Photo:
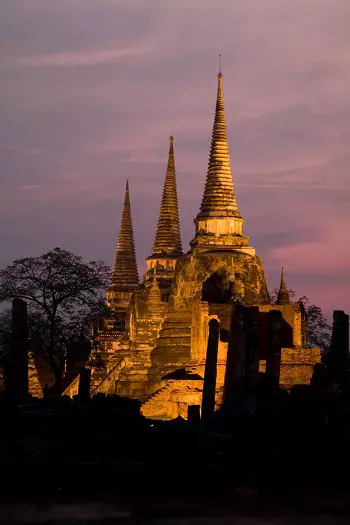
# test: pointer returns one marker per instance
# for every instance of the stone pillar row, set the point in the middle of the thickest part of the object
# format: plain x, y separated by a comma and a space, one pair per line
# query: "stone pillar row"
244, 351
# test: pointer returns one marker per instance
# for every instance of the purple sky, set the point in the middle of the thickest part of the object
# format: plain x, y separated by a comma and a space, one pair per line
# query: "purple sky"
91, 90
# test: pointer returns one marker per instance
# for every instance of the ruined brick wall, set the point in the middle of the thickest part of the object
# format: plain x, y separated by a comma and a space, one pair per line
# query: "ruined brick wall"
292, 329
297, 365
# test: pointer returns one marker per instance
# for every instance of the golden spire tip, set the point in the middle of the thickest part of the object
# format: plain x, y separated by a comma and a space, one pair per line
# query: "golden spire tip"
220, 66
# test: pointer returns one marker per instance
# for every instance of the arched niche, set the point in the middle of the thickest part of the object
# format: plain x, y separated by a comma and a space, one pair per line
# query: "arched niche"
217, 288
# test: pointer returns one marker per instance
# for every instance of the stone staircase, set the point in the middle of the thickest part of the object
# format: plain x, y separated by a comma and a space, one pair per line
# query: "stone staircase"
73, 388
156, 407
172, 399
107, 385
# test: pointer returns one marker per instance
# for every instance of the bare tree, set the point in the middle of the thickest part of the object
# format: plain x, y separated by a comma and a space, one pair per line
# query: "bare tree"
64, 294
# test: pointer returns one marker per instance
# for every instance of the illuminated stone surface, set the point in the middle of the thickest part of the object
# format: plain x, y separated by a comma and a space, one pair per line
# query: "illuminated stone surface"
35, 388
125, 278
219, 194
297, 365
168, 239
167, 247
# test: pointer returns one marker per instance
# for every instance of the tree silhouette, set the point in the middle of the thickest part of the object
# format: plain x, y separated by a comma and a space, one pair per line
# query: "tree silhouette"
64, 296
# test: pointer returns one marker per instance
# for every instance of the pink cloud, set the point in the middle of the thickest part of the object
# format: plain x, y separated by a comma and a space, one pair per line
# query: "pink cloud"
86, 58
332, 253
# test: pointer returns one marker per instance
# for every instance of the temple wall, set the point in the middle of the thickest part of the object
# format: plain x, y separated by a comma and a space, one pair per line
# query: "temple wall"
297, 365
292, 317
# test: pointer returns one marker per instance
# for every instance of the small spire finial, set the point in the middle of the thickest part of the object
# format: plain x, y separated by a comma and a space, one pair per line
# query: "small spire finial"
220, 64
283, 294
171, 138
283, 281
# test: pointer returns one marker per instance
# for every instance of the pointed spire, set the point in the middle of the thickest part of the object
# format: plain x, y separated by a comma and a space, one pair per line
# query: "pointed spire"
168, 239
219, 198
154, 300
283, 294
125, 268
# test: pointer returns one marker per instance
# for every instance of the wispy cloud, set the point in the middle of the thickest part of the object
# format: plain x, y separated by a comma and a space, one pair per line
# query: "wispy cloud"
86, 58
21, 150
29, 187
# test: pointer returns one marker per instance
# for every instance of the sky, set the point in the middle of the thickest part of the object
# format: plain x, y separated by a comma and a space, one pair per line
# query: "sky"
91, 90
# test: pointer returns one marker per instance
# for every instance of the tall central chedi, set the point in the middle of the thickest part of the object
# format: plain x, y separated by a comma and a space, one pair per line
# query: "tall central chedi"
220, 268
219, 222
221, 263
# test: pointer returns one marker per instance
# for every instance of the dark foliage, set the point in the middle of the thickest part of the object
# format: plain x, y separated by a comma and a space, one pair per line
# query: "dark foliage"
64, 297
319, 331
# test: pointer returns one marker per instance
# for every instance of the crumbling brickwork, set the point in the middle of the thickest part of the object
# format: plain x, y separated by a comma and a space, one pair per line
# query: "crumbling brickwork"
297, 365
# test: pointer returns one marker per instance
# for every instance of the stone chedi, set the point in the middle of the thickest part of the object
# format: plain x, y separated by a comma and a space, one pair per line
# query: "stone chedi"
167, 243
125, 277
155, 346
167, 246
219, 222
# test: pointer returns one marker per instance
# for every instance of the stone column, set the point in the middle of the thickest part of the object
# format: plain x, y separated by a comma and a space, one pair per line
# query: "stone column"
252, 329
16, 368
340, 340
209, 385
84, 384
236, 353
194, 413
273, 361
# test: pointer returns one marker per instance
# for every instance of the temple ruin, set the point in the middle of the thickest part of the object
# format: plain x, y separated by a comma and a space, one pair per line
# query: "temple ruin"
154, 347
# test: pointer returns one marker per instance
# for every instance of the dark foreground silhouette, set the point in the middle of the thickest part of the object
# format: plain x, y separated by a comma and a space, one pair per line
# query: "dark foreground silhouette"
272, 448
